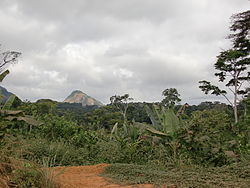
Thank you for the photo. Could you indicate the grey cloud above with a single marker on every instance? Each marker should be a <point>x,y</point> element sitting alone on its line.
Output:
<point>114,46</point>
<point>116,51</point>
<point>64,10</point>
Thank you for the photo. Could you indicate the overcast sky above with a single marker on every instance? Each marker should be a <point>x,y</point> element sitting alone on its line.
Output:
<point>108,47</point>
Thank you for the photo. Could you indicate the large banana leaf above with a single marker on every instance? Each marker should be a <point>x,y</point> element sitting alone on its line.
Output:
<point>2,75</point>
<point>114,131</point>
<point>170,121</point>
<point>11,112</point>
<point>9,102</point>
<point>156,132</point>
<point>18,115</point>
<point>163,119</point>
<point>26,119</point>
<point>133,132</point>
<point>128,131</point>
<point>154,117</point>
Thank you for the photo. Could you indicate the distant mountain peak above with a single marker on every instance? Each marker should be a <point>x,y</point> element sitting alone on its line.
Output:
<point>78,96</point>
<point>77,91</point>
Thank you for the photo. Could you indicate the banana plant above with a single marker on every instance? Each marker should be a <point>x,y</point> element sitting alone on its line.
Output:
<point>164,120</point>
<point>3,75</point>
<point>126,132</point>
<point>165,125</point>
<point>7,116</point>
<point>7,105</point>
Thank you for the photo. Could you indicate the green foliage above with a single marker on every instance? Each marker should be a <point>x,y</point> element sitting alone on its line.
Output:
<point>116,99</point>
<point>27,177</point>
<point>171,97</point>
<point>104,117</point>
<point>9,117</point>
<point>240,29</point>
<point>20,172</point>
<point>206,87</point>
<point>31,175</point>
<point>163,119</point>
<point>127,135</point>
<point>166,141</point>
<point>232,64</point>
<point>40,108</point>
<point>83,115</point>
<point>244,129</point>
<point>137,112</point>
<point>235,175</point>
<point>64,154</point>
<point>12,119</point>
<point>58,128</point>
<point>121,103</point>
<point>3,75</point>
<point>210,139</point>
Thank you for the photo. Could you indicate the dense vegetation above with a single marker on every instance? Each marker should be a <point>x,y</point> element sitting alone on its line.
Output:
<point>163,139</point>
<point>203,135</point>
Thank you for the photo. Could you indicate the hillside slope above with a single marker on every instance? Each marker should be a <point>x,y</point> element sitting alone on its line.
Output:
<point>78,96</point>
<point>4,94</point>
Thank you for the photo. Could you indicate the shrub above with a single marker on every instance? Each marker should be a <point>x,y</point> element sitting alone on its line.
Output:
<point>209,138</point>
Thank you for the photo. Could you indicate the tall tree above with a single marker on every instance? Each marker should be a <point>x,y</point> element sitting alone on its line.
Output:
<point>171,97</point>
<point>233,64</point>
<point>121,102</point>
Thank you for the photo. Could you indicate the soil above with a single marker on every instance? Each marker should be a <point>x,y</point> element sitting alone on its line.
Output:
<point>86,177</point>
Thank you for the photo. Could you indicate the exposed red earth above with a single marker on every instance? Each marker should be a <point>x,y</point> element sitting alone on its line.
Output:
<point>86,177</point>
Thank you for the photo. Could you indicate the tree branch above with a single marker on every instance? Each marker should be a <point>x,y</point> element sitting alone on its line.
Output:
<point>227,99</point>
<point>231,90</point>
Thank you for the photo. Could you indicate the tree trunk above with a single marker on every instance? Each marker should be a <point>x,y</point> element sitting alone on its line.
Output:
<point>235,100</point>
<point>235,114</point>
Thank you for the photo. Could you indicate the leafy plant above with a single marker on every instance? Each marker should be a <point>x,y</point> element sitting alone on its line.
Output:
<point>164,120</point>
<point>9,117</point>
<point>210,139</point>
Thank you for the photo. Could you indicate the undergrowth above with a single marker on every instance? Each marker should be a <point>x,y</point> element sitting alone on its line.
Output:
<point>15,171</point>
<point>234,175</point>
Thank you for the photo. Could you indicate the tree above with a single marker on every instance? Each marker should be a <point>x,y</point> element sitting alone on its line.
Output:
<point>233,64</point>
<point>121,102</point>
<point>7,58</point>
<point>171,97</point>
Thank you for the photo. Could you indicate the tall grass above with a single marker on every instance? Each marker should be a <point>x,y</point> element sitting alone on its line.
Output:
<point>17,171</point>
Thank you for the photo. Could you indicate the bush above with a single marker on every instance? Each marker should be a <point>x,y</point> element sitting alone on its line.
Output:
<point>209,138</point>
<point>62,153</point>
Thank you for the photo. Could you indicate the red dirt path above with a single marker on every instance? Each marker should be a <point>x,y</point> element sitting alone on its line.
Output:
<point>86,177</point>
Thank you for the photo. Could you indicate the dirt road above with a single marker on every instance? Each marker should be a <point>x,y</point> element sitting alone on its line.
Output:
<point>86,177</point>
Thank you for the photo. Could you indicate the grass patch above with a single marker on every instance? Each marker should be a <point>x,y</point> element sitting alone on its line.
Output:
<point>15,171</point>
<point>235,175</point>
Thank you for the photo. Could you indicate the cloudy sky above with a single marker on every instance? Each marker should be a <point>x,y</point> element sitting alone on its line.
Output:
<point>108,47</point>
